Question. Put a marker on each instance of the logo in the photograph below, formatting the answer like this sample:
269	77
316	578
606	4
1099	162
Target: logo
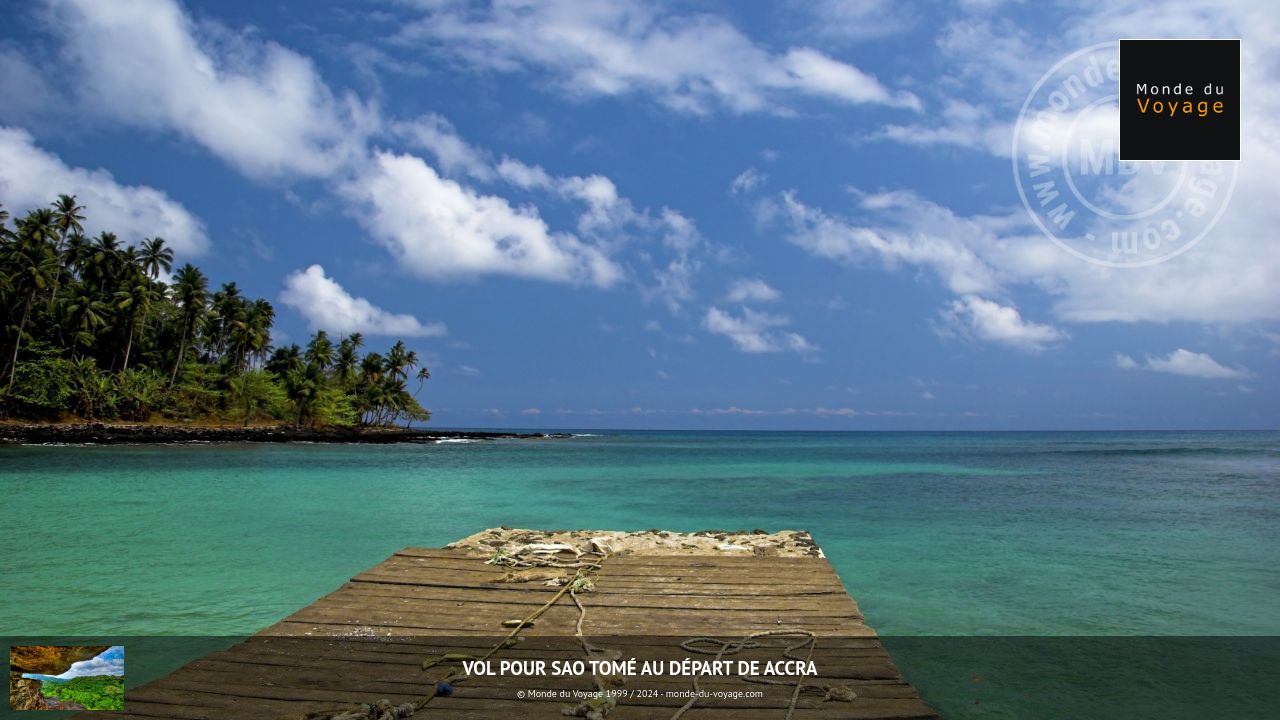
1101	209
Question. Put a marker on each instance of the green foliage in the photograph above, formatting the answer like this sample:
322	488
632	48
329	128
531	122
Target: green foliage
101	692
333	408
86	327
256	395
93	391
41	385
137	393
197	394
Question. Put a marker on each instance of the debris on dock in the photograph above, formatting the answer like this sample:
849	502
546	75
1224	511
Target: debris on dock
511	623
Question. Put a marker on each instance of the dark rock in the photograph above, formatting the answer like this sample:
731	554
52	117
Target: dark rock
100	434
24	693
50	659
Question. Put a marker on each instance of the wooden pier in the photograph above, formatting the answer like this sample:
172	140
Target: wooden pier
367	641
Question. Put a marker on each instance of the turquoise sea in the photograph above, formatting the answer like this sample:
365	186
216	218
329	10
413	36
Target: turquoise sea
1025	541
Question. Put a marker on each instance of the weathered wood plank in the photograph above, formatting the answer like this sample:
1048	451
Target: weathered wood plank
422	602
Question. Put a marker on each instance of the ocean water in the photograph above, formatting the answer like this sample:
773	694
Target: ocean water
1025	541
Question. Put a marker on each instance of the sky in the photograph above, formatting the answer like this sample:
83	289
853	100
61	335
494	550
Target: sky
791	215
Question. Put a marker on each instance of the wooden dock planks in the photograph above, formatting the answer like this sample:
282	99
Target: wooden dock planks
366	641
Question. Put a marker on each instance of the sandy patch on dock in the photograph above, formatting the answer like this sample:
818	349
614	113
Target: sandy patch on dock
785	543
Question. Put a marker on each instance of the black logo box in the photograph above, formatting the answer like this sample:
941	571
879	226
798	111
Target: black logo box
1186	68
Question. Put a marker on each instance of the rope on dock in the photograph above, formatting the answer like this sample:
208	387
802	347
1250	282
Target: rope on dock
841	692
540	555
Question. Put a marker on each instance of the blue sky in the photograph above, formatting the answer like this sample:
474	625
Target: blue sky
689	215
108	662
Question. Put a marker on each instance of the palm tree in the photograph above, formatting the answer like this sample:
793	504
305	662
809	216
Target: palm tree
285	360
154	257
84	314
191	290
423	375
134	299
346	359
400	360
31	267
77	254
320	351
103	260
258	330
67	217
301	387
228	305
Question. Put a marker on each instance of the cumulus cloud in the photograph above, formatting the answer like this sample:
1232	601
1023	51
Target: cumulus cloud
988	320
1186	363
747	180
756	332
611	222
1228	274
327	306
454	156
439	228
258	106
31	177
1228	278
751	290
692	63
109	662
909	232
265	110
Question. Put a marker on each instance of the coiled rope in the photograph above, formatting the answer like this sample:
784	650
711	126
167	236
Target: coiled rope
581	582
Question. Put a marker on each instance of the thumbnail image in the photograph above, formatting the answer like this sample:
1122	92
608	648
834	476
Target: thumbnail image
66	677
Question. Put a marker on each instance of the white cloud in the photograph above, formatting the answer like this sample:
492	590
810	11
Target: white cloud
454	155
111	665
692	63
751	290
1187	363
755	332
747	180
993	63
31	177
467	371
1125	362
326	305
731	410
925	236
531	411
266	110
987	320
259	106
1226	278
440	229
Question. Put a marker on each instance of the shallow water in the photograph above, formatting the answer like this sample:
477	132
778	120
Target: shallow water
935	534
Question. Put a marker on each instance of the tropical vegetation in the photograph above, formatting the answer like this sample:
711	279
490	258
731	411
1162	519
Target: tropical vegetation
100	692
97	329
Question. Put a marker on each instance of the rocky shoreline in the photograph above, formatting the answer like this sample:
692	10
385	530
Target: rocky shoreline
103	434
